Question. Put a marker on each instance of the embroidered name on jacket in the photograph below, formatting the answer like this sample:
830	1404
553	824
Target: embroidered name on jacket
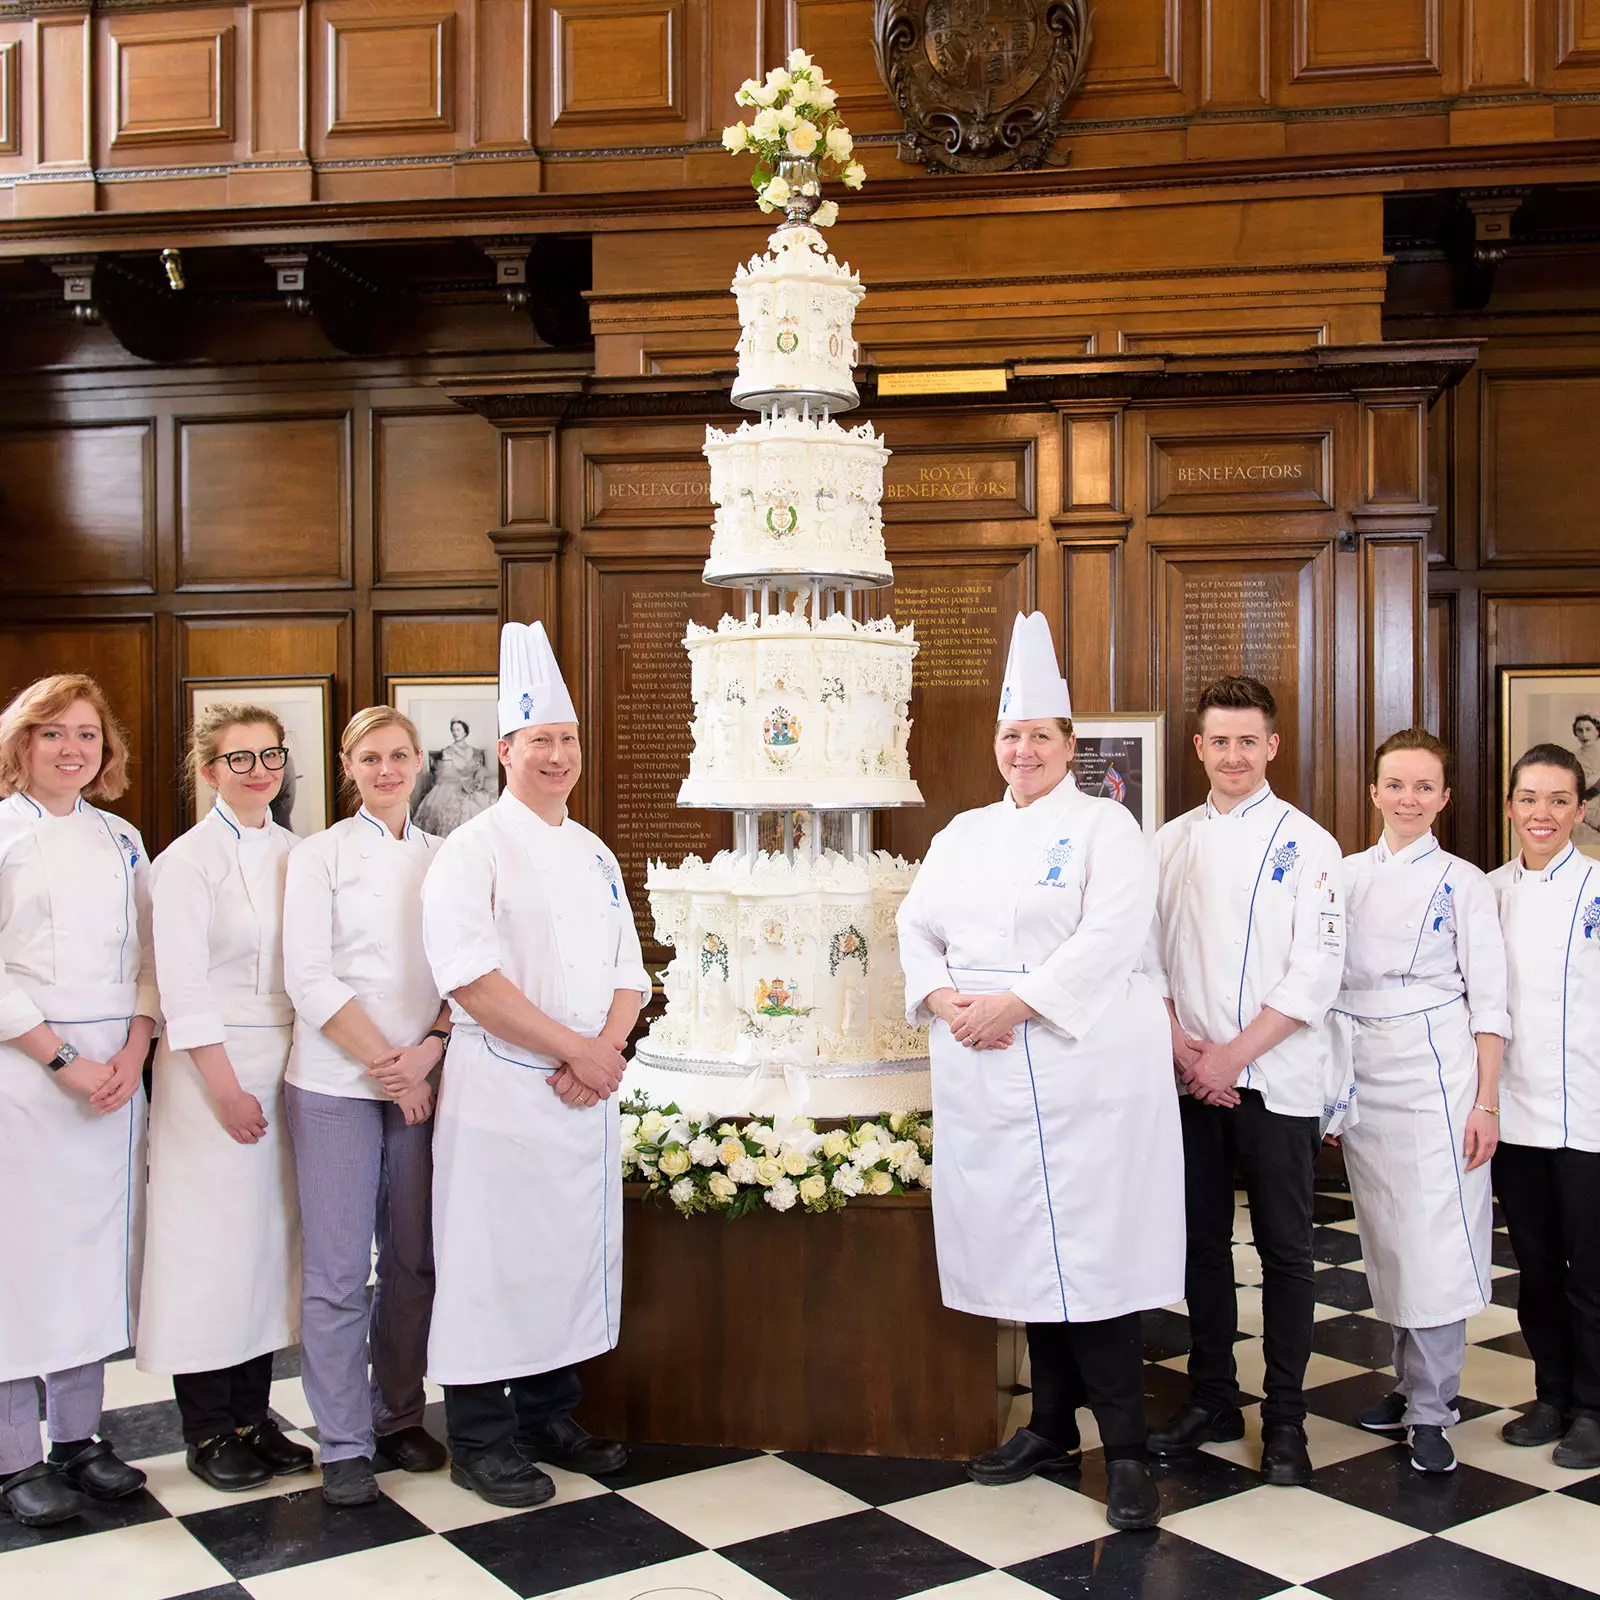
1283	860
1443	909
129	849
1055	861
1591	917
609	873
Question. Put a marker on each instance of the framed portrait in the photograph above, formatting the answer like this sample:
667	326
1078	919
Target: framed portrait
1119	758
458	722
1552	705
303	705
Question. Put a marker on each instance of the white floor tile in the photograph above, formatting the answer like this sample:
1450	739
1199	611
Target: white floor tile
1296	1593
443	1506
1496	1378
1555	1535
414	1569
1250	1315
1294	1533
1498	1271
1493	1322
1007	1525
289	1401
1246	1265
150	1562
1326	1442
1321	1312
702	1576
1347	1226
126	1385
986	1586
743	1500
182	1493
1479	1444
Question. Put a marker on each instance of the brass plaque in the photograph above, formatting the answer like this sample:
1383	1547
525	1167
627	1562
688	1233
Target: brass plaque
661	490
1267	472
966	485
959	380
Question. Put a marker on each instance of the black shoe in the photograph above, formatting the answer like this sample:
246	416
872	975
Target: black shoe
39	1496
1580	1449
1132	1498
1430	1450
1284	1460
229	1464
413	1450
96	1471
280	1455
568	1444
1022	1455
1193	1426
503	1477
1540	1424
349	1483
1388	1416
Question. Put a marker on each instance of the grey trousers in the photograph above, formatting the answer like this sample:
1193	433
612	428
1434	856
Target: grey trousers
363	1174
72	1402
1427	1364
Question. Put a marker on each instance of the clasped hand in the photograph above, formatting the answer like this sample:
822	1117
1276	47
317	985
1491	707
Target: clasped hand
591	1072
1208	1071
980	1021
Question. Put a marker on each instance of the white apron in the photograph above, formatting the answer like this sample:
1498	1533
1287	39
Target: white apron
1058	1192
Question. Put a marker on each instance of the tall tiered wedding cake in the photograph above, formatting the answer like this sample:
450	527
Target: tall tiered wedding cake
785	992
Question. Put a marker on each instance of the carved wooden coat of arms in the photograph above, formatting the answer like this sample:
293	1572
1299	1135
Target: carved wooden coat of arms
982	84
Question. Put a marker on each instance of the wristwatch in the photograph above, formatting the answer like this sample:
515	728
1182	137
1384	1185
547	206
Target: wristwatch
64	1057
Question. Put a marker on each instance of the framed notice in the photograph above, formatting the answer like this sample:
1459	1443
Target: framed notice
304	803
1119	758
1552	705
458	723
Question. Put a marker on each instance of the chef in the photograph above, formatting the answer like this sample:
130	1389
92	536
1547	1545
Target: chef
1248	947
1059	1201
222	1254
368	1039
530	935
1547	1167
1422	1018
77	1003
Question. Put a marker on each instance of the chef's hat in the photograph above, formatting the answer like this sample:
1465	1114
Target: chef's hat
1034	686
531	690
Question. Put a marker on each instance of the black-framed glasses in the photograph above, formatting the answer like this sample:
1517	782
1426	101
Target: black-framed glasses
274	758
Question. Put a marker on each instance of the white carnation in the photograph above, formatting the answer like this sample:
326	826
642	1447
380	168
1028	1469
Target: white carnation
767	1137
869	1154
914	1170
703	1151
782	1195
900	1152
743	1170
682	1192
847	1180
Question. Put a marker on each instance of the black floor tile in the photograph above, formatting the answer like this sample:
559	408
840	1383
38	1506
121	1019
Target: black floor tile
1503	1291
136	1432
1362	1341
99	1516
1386	1484
291	1529
1588	1489
1166	1334
1435	1569
1510	1344
580	1542
1339	1286
286	1363
649	1463
867	1556
1334	1247
223	1591
1146	1566
1501	1252
1184	1481
879	1480
1326	1208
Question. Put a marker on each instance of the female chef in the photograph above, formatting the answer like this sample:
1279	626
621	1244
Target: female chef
222	1251
368	1033
1060	1197
1422	1020
77	999
1547	1168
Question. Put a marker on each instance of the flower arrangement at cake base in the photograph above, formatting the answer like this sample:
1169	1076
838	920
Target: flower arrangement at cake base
705	1164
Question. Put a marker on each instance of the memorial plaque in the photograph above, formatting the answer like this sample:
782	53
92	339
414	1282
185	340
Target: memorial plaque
1270	472
658	491
986	481
647	708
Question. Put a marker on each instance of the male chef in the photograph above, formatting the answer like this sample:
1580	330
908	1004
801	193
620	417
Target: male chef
528	932
1248	947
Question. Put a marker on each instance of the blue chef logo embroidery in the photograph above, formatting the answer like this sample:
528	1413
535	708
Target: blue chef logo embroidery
1055	860
129	849
526	704
1005	700
1442	911
1283	860
609	873
1591	917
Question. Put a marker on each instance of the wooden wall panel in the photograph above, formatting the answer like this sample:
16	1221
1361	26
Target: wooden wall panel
77	509
838	33
276	75
1365	38
1234	55
1092	605
10	96
171	87
1498	40
1396	625
436	487
1540	630
61	91
390	74
503	108
264	501
418	647
617	62
1138	46
1577	33
1540	472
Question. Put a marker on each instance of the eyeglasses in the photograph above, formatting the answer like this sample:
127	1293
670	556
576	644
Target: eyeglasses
274	758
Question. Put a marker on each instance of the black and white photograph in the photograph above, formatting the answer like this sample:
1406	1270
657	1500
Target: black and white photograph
1554	705
1119	758
457	721
305	801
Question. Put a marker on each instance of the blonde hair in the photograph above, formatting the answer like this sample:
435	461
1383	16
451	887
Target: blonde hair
205	737
46	701
358	727
1063	723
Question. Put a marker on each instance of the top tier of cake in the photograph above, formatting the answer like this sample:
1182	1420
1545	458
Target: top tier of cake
797	306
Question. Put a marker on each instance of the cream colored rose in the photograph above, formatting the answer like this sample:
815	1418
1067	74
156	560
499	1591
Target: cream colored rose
840	144
853	175
826	214
879	1183
779	79
801	93
735	136
651	1124
795	1162
729	1151
765	126
769	1169
813	1189
799	61
836	1144
802	139
745	94
721	1186
787	117
675	1161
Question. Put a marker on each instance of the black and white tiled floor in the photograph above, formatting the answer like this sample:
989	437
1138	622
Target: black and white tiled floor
694	1524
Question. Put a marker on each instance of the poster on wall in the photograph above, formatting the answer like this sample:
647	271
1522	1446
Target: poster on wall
1553	705
457	721
1119	758
304	803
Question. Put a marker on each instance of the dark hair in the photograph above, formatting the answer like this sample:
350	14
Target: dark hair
1586	716
1414	739
461	723
1549	755
1237	694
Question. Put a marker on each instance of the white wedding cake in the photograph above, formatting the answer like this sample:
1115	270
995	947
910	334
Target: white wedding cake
784	992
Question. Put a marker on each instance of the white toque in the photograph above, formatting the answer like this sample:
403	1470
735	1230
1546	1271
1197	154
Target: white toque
531	689
1033	684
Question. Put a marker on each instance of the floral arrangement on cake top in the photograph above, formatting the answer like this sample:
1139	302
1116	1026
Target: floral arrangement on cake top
796	137
703	1164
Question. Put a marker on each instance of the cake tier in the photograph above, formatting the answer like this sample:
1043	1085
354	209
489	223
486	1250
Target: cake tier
738	1093
796	495
796	309
791	714
783	965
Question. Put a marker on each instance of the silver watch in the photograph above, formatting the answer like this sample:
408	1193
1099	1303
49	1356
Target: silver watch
64	1057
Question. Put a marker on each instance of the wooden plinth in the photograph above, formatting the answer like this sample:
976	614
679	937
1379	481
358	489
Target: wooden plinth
796	1332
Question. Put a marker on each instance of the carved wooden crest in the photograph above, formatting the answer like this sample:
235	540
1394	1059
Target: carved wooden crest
982	84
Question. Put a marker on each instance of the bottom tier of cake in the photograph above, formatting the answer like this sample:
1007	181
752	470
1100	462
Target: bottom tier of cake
769	1089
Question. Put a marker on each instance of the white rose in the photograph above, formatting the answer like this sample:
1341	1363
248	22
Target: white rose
870	1133
802	139
763	95
801	93
788	117
628	1123
897	1122
651	1124
813	1189
675	1161
779	80
743	1170
836	1143
782	1195
853	175
914	1170
735	137
726	1130
682	1192
769	1170
879	1183
826	214
731	1150
840	145
823	96
745	94
900	1152
795	1162
765	125
721	1186
867	1155
799	61
703	1151
847	1180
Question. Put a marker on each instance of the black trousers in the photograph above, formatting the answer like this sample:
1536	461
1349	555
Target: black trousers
1551	1200
481	1416
1094	1364
1275	1156
213	1403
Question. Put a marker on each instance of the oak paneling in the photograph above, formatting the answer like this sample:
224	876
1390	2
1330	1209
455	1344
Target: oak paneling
415	647
1539	630
264	646
76	509
1498	36
389	74
1365	38
1577	33
61	88
1234	58
1540	472
1092	606
10	96
618	61
838	33
264	501
1138	46
277	79
503	109
436	482
1395	579
171	87
1218	341
1092	463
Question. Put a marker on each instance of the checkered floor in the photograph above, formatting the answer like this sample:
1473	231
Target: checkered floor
734	1525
